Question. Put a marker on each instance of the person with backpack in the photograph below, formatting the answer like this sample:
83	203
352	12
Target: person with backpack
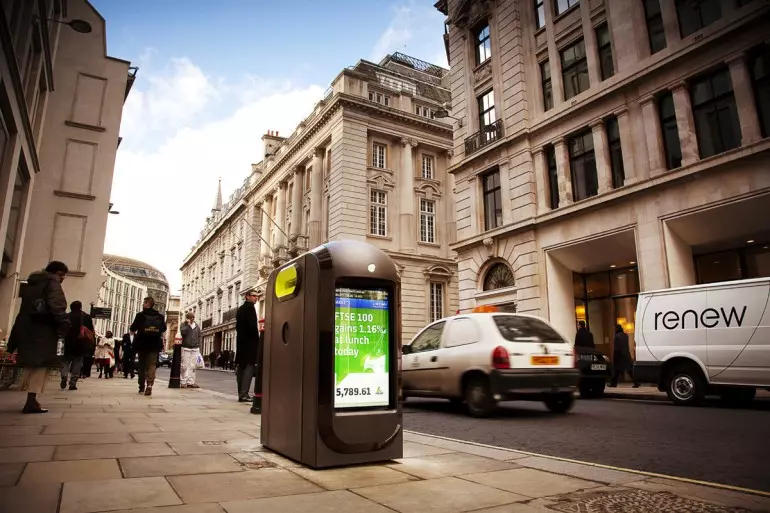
149	326
77	344
40	327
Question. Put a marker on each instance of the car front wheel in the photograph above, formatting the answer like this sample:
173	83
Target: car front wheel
478	397
560	403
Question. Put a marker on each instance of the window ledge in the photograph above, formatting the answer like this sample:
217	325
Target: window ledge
566	13
381	237
429	244
85	126
75	195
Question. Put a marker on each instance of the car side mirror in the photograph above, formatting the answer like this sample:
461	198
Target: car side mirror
406	349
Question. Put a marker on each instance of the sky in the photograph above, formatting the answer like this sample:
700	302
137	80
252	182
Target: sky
214	76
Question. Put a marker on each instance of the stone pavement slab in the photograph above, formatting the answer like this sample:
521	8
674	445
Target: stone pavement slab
599	474
191	436
354	477
111	494
324	502
445	465
26	454
269	482
66	471
125	450
9	473
13	431
187	508
179	465
37	498
91	427
530	482
71	439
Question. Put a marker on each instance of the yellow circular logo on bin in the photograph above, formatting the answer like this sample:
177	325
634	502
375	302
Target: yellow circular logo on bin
287	282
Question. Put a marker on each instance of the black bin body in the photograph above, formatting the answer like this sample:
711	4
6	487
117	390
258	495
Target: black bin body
307	414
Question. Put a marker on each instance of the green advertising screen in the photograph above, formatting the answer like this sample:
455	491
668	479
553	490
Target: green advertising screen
361	348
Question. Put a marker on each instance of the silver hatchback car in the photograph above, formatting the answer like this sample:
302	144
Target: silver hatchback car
483	358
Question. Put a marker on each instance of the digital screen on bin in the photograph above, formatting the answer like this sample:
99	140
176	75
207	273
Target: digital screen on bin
361	348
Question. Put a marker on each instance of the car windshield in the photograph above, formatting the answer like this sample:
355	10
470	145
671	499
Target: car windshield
525	329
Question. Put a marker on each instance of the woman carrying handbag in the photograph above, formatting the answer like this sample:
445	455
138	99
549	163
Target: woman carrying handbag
77	344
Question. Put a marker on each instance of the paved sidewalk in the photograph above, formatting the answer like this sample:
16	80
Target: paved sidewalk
650	393
106	448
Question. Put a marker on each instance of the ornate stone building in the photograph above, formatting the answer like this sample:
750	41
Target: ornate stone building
369	163
607	147
123	296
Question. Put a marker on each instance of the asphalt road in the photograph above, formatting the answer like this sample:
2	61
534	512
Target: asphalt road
709	443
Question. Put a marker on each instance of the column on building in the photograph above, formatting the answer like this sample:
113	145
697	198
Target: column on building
265	235
602	156
626	145
541	180
316	198
296	203
554	60
685	123
589	40
280	215
451	211
654	135
405	184
744	99
563	172
670	23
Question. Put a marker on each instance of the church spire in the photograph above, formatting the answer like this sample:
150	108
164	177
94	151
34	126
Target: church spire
218	202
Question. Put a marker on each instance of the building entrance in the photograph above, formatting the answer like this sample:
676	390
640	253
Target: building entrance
605	299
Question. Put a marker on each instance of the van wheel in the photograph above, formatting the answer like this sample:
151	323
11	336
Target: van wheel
686	386
739	396
560	403
479	398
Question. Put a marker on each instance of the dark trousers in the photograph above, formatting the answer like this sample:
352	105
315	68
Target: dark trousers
148	361
621	365
244	373
88	362
70	368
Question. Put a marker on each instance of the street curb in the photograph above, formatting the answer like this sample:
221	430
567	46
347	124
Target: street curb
638	397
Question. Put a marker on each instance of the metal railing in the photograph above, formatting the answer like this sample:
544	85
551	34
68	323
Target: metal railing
207	323
484	137
229	315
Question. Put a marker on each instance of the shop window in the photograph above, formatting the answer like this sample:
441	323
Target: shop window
539	14
483	43
499	276
616	152
716	117
545	76
553	177
759	66
562	6
605	52
574	68
493	202
671	145
655	32
695	14
582	163
718	267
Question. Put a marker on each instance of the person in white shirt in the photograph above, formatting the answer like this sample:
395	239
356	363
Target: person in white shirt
191	343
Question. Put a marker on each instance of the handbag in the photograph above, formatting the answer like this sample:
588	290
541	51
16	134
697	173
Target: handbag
85	335
199	364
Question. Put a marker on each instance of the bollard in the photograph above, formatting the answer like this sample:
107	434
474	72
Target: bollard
176	367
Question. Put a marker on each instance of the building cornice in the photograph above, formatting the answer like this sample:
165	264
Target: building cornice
237	207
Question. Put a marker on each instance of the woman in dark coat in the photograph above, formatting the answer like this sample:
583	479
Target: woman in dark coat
41	322
75	348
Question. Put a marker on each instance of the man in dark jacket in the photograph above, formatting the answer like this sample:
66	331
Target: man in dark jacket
128	354
246	345
149	326
75	346
621	357
41	322
583	337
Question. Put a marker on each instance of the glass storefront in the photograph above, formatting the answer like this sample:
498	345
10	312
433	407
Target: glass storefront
605	299
735	264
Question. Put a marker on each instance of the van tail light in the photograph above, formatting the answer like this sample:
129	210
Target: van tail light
500	358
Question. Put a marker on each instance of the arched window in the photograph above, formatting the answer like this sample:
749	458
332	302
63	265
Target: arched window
499	276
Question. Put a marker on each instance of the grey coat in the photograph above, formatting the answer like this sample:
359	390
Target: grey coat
33	334
191	337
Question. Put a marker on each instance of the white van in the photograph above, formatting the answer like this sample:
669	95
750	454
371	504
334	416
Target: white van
705	339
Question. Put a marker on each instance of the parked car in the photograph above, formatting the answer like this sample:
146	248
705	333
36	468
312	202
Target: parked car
486	357
705	339
595	369
164	359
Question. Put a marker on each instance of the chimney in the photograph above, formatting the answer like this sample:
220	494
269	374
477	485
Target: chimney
271	142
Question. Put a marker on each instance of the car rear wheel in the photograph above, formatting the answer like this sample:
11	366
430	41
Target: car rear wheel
478	397
591	390
686	386
560	403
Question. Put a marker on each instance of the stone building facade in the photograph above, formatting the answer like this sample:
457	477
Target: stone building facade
123	296
369	163
150	277
172	322
607	147
61	102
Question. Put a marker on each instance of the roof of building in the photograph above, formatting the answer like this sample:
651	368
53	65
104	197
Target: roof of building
113	262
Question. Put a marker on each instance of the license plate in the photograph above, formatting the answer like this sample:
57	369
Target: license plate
598	366
545	360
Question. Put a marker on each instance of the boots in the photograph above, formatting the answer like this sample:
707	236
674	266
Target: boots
148	390
32	406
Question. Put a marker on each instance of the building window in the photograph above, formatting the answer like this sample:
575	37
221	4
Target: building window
563	6
539	14
716	117
427	221
427	167
695	14
582	163
483	46
436	301
545	76
553	176
616	153
670	131
493	201
655	32
423	111
759	67
486	110
574	69
499	276
382	99
378	213
605	52
379	152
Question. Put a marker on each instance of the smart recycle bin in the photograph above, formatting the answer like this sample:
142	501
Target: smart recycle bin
330	374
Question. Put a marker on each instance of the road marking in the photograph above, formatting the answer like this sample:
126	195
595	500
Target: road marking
601	465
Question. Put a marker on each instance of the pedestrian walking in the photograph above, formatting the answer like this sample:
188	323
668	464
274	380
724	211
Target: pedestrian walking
40	327
128	354
109	357
77	344
191	343
246	344
149	326
101	357
621	357
583	337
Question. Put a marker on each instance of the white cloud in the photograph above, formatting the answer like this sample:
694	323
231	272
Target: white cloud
416	29
164	186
